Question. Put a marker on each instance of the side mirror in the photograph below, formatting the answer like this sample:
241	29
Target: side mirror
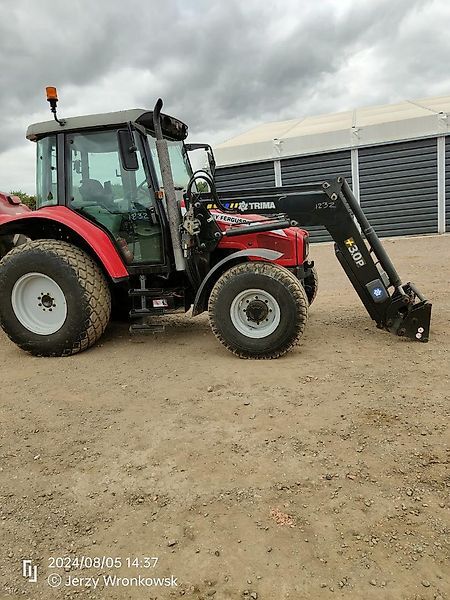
209	153
128	150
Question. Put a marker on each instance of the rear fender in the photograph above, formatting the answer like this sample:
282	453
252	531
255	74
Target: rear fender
203	292
59	222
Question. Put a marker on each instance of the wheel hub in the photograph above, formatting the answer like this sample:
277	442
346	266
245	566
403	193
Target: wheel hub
255	313
46	301
39	303
257	310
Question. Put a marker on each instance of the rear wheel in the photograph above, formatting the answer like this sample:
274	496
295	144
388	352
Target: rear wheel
54	300
311	285
258	310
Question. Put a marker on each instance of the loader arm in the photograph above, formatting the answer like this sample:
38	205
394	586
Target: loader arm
396	307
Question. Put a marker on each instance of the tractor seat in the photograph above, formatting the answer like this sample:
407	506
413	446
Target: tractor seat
93	191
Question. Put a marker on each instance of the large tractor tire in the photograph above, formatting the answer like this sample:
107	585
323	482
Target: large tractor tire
54	299
258	310
311	285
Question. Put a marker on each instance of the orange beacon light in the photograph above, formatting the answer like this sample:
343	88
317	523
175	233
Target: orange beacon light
52	98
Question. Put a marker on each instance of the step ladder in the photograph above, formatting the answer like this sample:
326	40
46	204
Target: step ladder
152	302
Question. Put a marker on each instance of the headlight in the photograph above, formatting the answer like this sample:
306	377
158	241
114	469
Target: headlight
306	246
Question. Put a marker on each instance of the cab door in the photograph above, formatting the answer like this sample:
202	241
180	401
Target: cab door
100	189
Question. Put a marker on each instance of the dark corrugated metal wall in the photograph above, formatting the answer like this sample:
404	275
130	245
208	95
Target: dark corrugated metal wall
447	183
398	183
398	187
245	176
314	169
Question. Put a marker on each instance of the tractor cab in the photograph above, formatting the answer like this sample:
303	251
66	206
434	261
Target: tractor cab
105	167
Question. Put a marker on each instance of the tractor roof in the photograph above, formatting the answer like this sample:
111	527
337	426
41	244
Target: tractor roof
172	128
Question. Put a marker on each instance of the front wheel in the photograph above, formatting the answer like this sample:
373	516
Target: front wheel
258	310
54	299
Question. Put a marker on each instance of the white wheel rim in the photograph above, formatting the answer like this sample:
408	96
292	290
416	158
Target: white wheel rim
39	303
255	313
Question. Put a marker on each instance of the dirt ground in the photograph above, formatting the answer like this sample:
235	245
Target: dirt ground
323	474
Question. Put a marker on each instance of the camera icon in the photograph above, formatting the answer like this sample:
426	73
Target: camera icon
29	571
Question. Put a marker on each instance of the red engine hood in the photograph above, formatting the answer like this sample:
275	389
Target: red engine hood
290	242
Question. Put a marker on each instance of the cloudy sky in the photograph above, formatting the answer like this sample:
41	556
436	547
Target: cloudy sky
222	66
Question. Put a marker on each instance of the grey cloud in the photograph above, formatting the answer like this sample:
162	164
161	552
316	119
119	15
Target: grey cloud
220	66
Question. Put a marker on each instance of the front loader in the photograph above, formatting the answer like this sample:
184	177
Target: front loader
122	223
396	307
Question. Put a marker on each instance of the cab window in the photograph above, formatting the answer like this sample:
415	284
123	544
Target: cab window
181	168
46	172
100	189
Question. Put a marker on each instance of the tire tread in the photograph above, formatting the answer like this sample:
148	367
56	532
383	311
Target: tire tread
287	279
90	278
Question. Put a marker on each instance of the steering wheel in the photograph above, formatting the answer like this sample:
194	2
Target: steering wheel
102	202
107	204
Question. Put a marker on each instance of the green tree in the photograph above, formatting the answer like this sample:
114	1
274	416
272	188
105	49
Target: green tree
25	198
202	186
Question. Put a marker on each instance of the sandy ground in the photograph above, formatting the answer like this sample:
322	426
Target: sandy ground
320	475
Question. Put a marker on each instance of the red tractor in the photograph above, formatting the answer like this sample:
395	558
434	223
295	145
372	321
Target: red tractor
123	222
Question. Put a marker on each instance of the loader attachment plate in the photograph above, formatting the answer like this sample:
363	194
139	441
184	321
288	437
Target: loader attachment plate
410	320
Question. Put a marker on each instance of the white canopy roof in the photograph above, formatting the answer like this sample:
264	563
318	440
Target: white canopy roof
359	127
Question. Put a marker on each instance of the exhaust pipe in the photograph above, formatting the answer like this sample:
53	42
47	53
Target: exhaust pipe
173	210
